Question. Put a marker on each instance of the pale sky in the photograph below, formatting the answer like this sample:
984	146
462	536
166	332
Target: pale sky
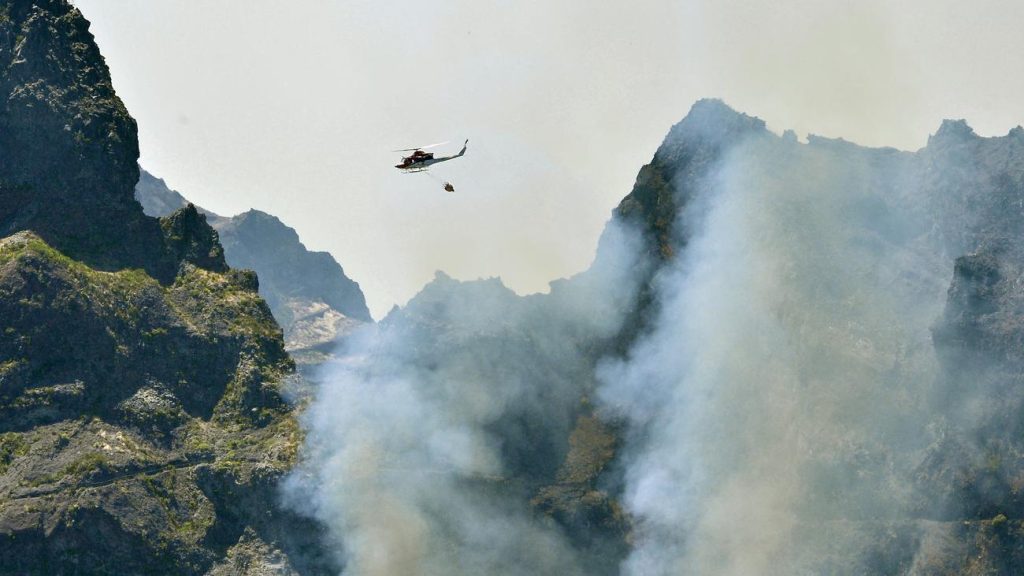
294	107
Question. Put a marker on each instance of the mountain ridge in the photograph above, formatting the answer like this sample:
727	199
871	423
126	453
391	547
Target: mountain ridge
308	291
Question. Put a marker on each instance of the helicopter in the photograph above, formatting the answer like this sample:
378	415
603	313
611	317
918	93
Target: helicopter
420	160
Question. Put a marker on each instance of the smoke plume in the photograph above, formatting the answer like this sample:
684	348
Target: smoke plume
426	442
783	405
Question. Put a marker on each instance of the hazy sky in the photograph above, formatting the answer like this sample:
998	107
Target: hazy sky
293	108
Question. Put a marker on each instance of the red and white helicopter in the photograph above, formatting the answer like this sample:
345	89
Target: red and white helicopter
419	160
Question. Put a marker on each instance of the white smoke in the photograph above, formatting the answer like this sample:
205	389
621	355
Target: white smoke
786	368
426	443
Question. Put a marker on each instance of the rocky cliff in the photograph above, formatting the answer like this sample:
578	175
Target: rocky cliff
143	429
308	292
69	147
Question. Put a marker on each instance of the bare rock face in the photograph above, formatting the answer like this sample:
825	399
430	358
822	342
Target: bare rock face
190	240
315	329
142	427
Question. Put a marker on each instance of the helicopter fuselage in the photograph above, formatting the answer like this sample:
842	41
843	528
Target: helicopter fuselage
411	163
420	160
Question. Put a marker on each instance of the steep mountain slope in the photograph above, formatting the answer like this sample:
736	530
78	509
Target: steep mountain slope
142	429
308	292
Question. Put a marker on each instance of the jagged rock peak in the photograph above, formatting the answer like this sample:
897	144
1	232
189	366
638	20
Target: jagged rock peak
442	279
693	145
952	130
483	304
716	111
714	121
192	241
442	282
253	217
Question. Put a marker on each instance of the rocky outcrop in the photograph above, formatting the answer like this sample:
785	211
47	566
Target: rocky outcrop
679	168
142	425
190	240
